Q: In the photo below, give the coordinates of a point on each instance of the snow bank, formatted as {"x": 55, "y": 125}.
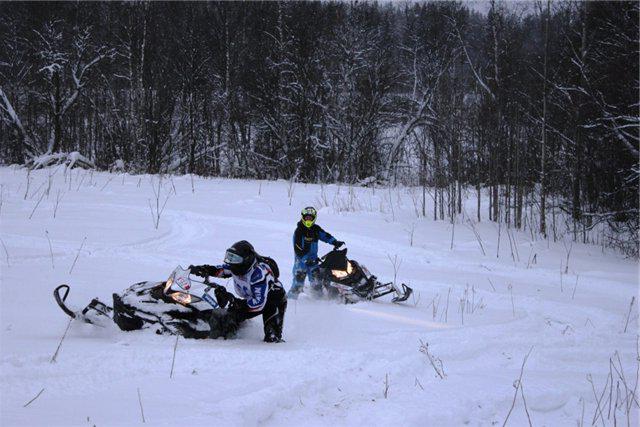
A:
{"x": 71, "y": 160}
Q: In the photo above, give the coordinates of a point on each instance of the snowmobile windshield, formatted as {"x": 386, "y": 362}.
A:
{"x": 336, "y": 260}
{"x": 232, "y": 258}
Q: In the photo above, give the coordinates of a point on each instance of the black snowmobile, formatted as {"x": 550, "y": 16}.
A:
{"x": 179, "y": 306}
{"x": 348, "y": 279}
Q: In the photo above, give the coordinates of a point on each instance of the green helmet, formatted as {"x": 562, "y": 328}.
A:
{"x": 309, "y": 215}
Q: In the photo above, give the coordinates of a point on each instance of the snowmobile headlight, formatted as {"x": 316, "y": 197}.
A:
{"x": 168, "y": 284}
{"x": 341, "y": 274}
{"x": 183, "y": 298}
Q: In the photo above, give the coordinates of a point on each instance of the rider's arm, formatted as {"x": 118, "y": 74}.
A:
{"x": 325, "y": 237}
{"x": 298, "y": 243}
{"x": 221, "y": 271}
{"x": 206, "y": 270}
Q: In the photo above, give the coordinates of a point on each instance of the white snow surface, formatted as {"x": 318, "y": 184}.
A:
{"x": 341, "y": 364}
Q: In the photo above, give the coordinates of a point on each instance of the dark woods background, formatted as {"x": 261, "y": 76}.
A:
{"x": 538, "y": 109}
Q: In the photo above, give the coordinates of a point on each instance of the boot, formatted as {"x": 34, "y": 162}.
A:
{"x": 273, "y": 329}
{"x": 294, "y": 291}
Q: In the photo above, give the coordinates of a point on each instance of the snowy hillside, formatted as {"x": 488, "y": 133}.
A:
{"x": 565, "y": 305}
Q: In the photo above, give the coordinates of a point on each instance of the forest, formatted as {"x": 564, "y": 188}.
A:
{"x": 535, "y": 110}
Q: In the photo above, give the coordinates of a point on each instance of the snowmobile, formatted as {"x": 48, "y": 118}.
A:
{"x": 352, "y": 282}
{"x": 179, "y": 306}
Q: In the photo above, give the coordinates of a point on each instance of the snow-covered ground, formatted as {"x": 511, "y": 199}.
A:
{"x": 341, "y": 365}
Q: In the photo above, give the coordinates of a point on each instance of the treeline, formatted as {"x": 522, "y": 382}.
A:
{"x": 538, "y": 107}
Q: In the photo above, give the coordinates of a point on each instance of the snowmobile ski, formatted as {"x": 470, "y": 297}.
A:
{"x": 95, "y": 312}
{"x": 405, "y": 294}
{"x": 60, "y": 299}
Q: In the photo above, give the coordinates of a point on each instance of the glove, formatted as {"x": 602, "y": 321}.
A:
{"x": 337, "y": 244}
{"x": 204, "y": 270}
{"x": 196, "y": 270}
{"x": 223, "y": 296}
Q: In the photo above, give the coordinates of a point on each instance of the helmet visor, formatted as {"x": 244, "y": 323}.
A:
{"x": 308, "y": 217}
{"x": 232, "y": 258}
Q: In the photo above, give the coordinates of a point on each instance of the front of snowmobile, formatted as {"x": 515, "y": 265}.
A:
{"x": 181, "y": 305}
{"x": 352, "y": 281}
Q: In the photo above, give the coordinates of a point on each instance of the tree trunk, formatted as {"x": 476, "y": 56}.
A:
{"x": 57, "y": 106}
{"x": 543, "y": 145}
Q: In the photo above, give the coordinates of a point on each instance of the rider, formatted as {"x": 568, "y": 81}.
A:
{"x": 258, "y": 287}
{"x": 305, "y": 246}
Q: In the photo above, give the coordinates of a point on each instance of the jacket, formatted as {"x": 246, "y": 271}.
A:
{"x": 305, "y": 241}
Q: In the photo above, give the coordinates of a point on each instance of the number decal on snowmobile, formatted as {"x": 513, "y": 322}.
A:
{"x": 183, "y": 283}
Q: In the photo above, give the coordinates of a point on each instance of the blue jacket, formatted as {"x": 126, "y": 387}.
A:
{"x": 305, "y": 241}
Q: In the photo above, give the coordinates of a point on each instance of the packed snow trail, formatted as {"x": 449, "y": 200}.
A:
{"x": 341, "y": 365}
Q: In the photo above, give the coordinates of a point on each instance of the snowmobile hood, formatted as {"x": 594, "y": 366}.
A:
{"x": 335, "y": 260}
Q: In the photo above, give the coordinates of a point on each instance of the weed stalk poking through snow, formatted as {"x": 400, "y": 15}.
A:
{"x": 386, "y": 385}
{"x": 107, "y": 183}
{"x": 568, "y": 250}
{"x": 626, "y": 324}
{"x": 26, "y": 191}
{"x": 32, "y": 400}
{"x": 411, "y": 229}
{"x": 396, "y": 263}
{"x": 6, "y": 252}
{"x": 436, "y": 363}
{"x": 50, "y": 248}
{"x": 517, "y": 384}
{"x": 55, "y": 355}
{"x": 478, "y": 238}
{"x": 77, "y": 255}
{"x": 625, "y": 395}
{"x": 141, "y": 408}
{"x": 157, "y": 212}
{"x": 446, "y": 310}
{"x": 513, "y": 305}
{"x": 37, "y": 204}
{"x": 59, "y": 196}
{"x": 173, "y": 360}
{"x": 573, "y": 295}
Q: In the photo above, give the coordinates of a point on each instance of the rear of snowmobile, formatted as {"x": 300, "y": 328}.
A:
{"x": 352, "y": 281}
{"x": 178, "y": 306}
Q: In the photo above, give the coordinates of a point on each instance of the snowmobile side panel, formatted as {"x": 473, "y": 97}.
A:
{"x": 124, "y": 316}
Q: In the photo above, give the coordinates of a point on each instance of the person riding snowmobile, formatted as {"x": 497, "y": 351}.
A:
{"x": 256, "y": 283}
{"x": 305, "y": 247}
